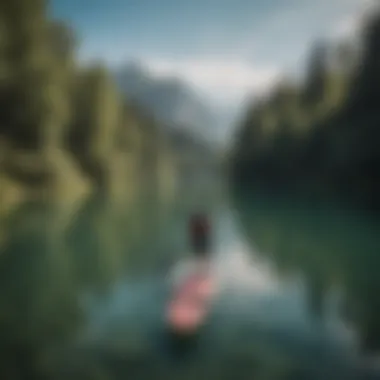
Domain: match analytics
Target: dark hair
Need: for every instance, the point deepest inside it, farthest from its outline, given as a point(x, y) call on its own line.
point(199, 234)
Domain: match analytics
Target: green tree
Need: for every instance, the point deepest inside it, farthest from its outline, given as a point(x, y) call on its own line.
point(96, 122)
point(315, 84)
point(34, 96)
point(324, 135)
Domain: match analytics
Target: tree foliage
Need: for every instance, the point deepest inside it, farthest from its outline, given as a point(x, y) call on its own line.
point(322, 135)
point(48, 104)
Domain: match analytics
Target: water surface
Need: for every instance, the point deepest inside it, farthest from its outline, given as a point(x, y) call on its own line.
point(83, 293)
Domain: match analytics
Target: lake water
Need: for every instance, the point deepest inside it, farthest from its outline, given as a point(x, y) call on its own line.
point(83, 291)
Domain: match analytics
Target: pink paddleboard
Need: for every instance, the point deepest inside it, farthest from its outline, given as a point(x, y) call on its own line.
point(190, 304)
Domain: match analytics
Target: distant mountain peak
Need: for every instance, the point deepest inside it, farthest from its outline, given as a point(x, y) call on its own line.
point(170, 100)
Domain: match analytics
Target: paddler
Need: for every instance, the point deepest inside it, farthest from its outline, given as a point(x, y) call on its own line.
point(200, 235)
point(193, 283)
point(200, 248)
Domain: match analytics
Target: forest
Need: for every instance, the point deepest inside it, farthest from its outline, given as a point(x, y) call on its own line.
point(65, 129)
point(318, 136)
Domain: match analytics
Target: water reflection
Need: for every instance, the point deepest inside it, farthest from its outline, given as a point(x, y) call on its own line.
point(333, 248)
point(38, 297)
point(83, 290)
point(54, 258)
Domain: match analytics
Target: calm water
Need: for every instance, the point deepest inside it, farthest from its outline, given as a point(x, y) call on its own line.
point(83, 290)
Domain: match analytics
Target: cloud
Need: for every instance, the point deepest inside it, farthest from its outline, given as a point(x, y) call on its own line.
point(279, 43)
point(274, 45)
point(347, 27)
point(226, 64)
point(224, 79)
point(351, 25)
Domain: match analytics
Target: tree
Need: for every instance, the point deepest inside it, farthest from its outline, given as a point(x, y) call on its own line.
point(96, 123)
point(33, 95)
point(365, 87)
point(315, 85)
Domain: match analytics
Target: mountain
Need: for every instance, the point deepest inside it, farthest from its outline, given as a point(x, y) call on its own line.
point(169, 100)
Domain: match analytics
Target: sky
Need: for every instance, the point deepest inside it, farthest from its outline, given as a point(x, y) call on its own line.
point(226, 49)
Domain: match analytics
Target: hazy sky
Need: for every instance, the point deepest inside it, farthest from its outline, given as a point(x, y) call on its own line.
point(225, 48)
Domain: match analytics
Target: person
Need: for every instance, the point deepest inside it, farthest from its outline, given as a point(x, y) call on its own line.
point(200, 244)
point(200, 235)
point(193, 283)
